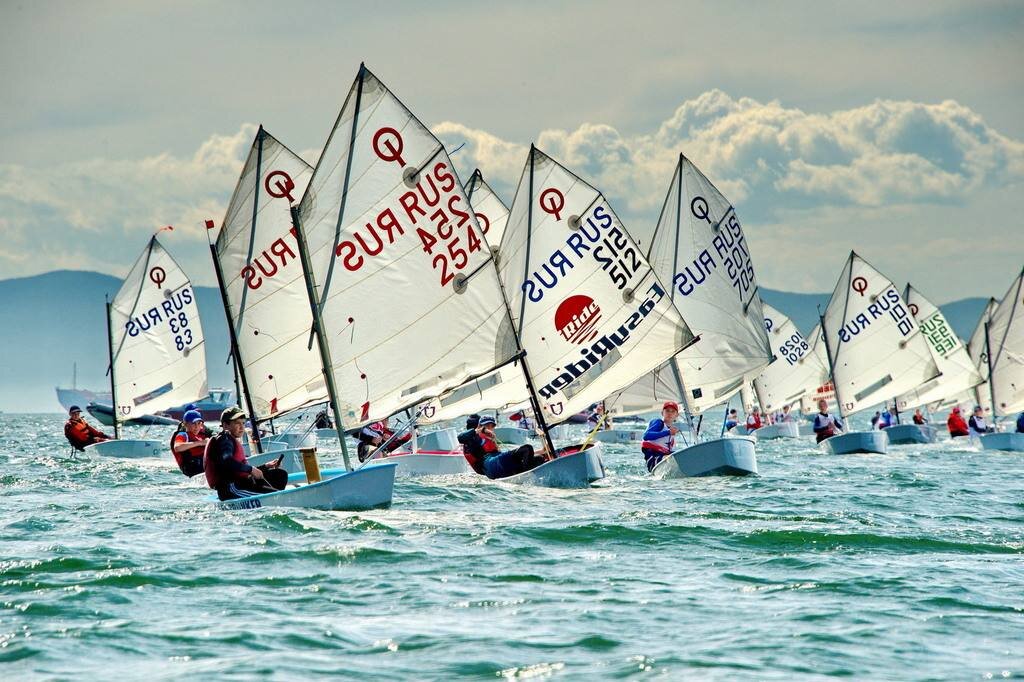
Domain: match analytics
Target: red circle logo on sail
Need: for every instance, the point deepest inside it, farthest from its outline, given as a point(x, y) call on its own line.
point(576, 319)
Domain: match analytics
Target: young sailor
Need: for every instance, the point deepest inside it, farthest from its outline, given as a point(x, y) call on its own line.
point(521, 420)
point(956, 424)
point(481, 450)
point(731, 421)
point(754, 420)
point(659, 438)
point(825, 424)
point(228, 471)
point(598, 417)
point(874, 420)
point(919, 418)
point(372, 435)
point(79, 433)
point(189, 444)
point(886, 419)
point(323, 421)
point(977, 424)
point(786, 416)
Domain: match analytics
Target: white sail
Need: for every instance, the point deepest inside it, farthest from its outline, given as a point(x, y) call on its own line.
point(591, 314)
point(958, 372)
point(877, 349)
point(159, 354)
point(796, 369)
point(647, 394)
point(1006, 342)
point(699, 250)
point(408, 298)
point(976, 349)
point(263, 282)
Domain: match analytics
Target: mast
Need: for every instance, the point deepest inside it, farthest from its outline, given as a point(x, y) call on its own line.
point(110, 354)
point(235, 355)
point(988, 361)
point(672, 297)
point(831, 365)
point(318, 327)
point(517, 330)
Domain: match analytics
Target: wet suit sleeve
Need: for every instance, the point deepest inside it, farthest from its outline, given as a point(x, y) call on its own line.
point(224, 452)
point(656, 429)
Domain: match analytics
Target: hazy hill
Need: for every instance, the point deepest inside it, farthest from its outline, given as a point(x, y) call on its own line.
point(57, 319)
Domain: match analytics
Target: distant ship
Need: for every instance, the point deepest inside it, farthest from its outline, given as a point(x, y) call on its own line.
point(80, 396)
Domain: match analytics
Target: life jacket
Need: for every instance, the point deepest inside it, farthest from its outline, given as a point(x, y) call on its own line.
point(753, 422)
point(957, 426)
point(977, 425)
point(824, 426)
point(191, 461)
point(918, 419)
point(474, 449)
point(79, 433)
point(210, 464)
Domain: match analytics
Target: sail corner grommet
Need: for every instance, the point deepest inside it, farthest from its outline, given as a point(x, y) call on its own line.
point(574, 222)
point(460, 284)
point(627, 296)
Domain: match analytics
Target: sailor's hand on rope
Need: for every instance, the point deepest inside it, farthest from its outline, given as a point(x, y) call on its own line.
point(256, 473)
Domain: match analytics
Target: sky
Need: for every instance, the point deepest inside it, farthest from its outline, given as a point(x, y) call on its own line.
point(895, 129)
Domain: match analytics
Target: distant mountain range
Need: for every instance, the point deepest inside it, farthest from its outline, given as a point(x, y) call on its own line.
point(56, 319)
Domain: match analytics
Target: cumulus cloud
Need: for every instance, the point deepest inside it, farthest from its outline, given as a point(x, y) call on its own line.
point(808, 187)
point(767, 157)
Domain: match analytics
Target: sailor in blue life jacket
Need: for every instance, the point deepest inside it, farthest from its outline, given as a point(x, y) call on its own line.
point(886, 419)
point(480, 447)
point(226, 467)
point(825, 424)
point(732, 420)
point(977, 424)
point(659, 438)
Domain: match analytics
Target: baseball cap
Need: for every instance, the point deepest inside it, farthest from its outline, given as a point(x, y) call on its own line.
point(231, 414)
point(192, 416)
point(74, 408)
point(670, 405)
point(484, 421)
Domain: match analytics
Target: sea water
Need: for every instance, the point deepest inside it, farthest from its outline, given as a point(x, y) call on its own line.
point(908, 565)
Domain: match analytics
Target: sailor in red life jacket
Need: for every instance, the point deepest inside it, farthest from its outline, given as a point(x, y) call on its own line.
point(228, 471)
point(754, 420)
point(825, 424)
point(956, 424)
point(372, 435)
point(189, 444)
point(79, 433)
point(659, 438)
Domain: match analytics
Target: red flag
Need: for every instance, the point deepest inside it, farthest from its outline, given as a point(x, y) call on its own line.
point(210, 225)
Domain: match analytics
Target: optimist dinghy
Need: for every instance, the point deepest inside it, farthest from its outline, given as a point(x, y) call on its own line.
point(366, 488)
point(572, 468)
point(1009, 442)
point(620, 436)
point(908, 434)
point(733, 456)
point(1004, 345)
point(291, 460)
point(156, 348)
point(868, 319)
point(777, 430)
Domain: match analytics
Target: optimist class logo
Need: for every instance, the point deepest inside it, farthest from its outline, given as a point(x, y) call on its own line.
point(576, 319)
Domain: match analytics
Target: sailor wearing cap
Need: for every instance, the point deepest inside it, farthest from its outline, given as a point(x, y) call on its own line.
point(659, 438)
point(189, 443)
point(226, 467)
point(79, 433)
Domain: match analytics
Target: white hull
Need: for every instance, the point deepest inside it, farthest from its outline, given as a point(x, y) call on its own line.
point(130, 449)
point(291, 462)
point(906, 434)
point(576, 470)
point(855, 442)
point(443, 440)
point(621, 436)
point(511, 435)
point(364, 488)
point(778, 430)
point(413, 465)
point(733, 456)
point(287, 441)
point(1012, 442)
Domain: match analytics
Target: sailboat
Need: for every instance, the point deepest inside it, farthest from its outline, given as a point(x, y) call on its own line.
point(875, 350)
point(978, 350)
point(156, 348)
point(958, 372)
point(585, 308)
point(1004, 350)
point(698, 245)
point(795, 369)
